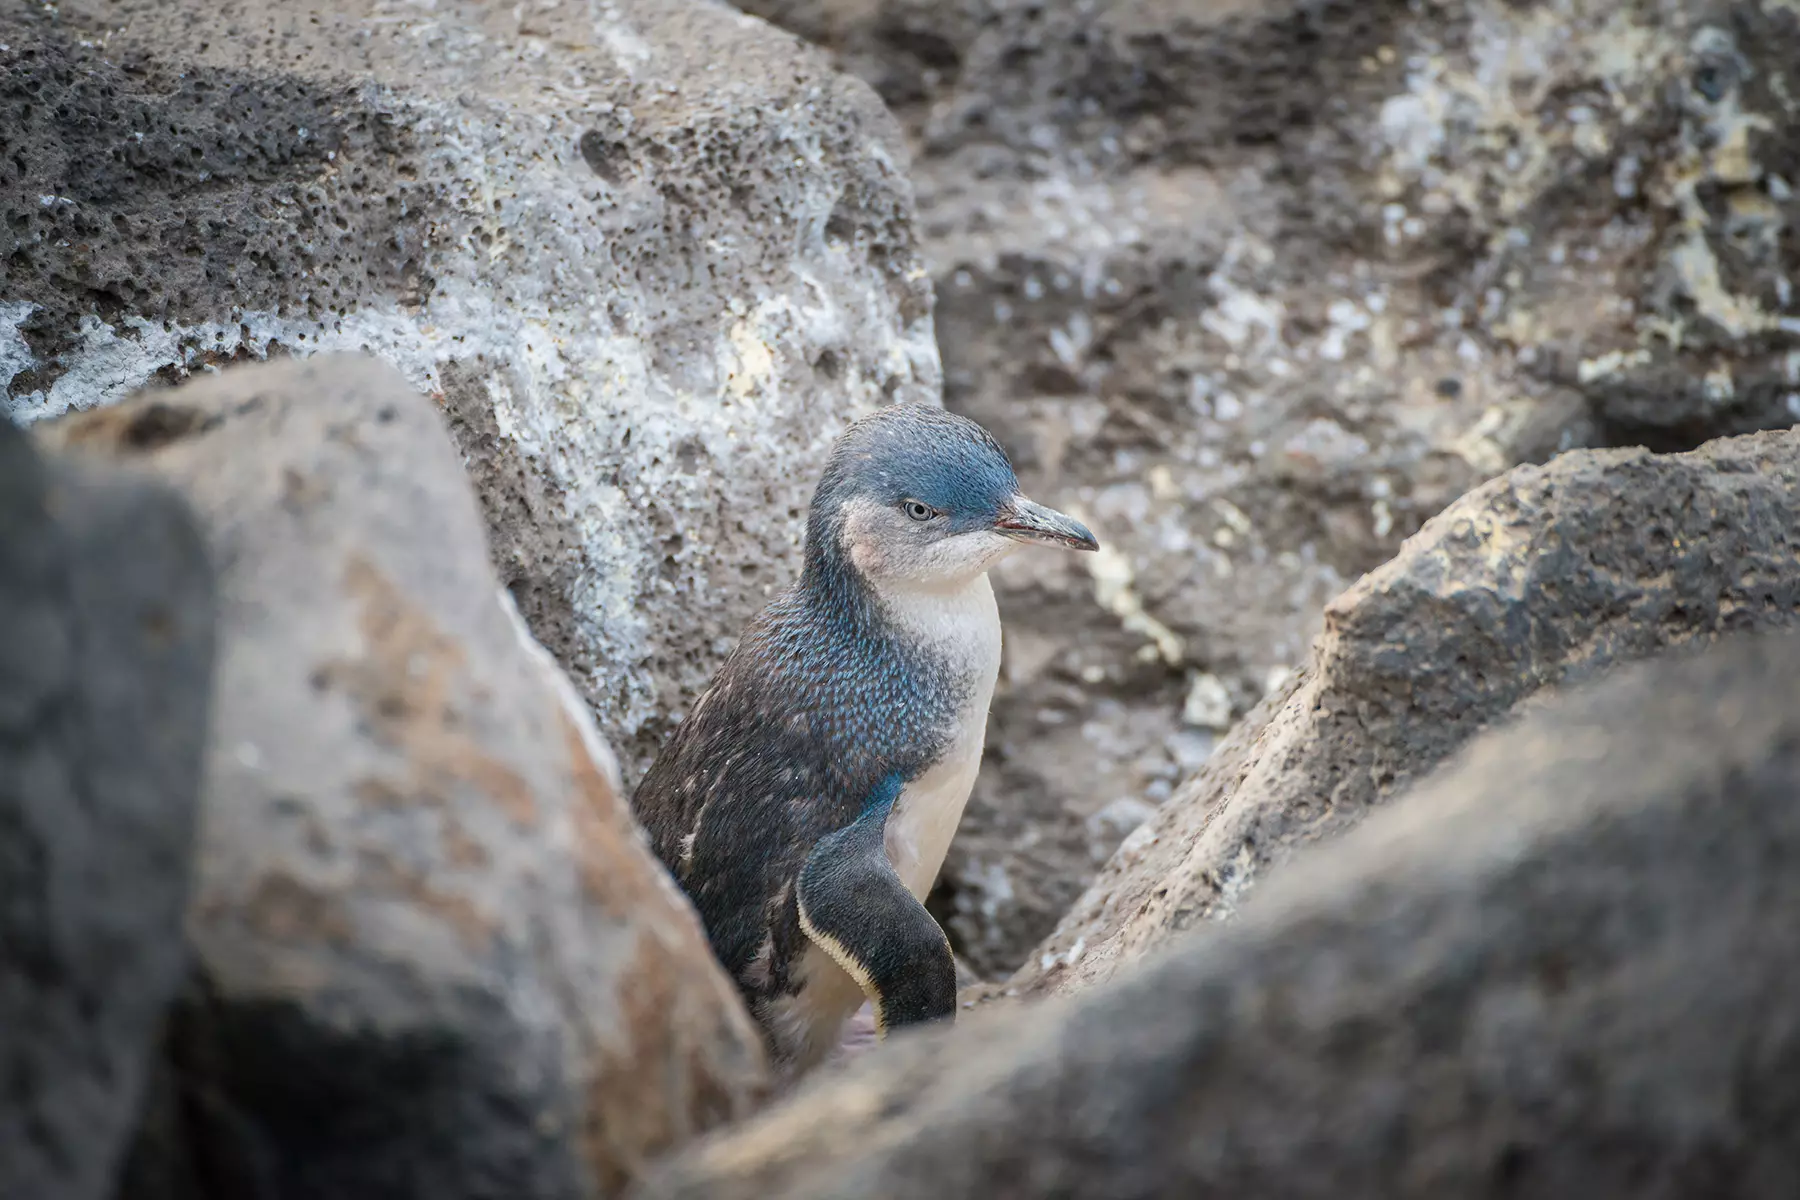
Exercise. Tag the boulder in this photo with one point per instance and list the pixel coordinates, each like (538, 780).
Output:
(1563, 967)
(1544, 576)
(650, 255)
(106, 648)
(1257, 286)
(434, 955)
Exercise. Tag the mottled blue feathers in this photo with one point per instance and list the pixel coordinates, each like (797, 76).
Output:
(881, 800)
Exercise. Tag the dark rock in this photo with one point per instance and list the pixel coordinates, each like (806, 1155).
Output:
(106, 648)
(1543, 576)
(435, 957)
(653, 254)
(1563, 967)
(1257, 286)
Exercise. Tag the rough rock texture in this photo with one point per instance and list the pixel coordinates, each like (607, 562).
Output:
(1565, 967)
(106, 644)
(1545, 575)
(435, 958)
(1259, 285)
(651, 255)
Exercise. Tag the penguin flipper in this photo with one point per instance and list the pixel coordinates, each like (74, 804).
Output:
(854, 907)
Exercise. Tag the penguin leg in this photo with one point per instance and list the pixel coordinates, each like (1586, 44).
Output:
(856, 909)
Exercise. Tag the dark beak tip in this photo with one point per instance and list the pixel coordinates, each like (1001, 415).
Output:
(1049, 527)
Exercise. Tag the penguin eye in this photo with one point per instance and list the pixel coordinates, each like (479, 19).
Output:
(917, 511)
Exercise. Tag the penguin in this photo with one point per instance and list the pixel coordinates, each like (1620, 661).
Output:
(806, 802)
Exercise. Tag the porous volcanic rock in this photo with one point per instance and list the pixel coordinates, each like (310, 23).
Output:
(650, 255)
(435, 958)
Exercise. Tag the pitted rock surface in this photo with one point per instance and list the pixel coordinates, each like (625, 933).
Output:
(1563, 967)
(654, 255)
(1257, 286)
(434, 955)
(1545, 576)
(106, 651)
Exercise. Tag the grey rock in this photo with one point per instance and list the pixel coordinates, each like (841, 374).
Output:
(1544, 576)
(1258, 286)
(106, 647)
(1563, 967)
(435, 957)
(652, 254)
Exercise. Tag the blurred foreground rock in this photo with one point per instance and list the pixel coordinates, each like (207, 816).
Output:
(1546, 575)
(106, 648)
(1562, 967)
(1258, 286)
(435, 958)
(651, 254)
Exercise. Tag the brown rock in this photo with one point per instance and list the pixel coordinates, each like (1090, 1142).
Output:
(434, 956)
(1563, 967)
(1545, 575)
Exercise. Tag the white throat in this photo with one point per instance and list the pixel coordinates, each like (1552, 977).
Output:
(960, 623)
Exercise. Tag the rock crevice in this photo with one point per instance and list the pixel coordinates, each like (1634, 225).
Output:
(1541, 578)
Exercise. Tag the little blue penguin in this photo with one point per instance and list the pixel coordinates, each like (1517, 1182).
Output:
(806, 802)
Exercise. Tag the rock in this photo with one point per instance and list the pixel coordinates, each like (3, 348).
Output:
(435, 958)
(106, 646)
(1563, 967)
(1545, 575)
(1257, 287)
(652, 255)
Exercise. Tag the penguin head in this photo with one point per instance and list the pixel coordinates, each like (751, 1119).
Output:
(913, 496)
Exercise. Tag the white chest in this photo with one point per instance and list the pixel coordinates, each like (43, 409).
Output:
(964, 627)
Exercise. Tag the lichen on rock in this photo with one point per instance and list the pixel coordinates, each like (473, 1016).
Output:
(661, 252)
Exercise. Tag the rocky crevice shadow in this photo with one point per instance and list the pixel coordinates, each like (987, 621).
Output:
(106, 655)
(1258, 286)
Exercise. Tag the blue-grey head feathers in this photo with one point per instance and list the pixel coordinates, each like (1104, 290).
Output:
(914, 452)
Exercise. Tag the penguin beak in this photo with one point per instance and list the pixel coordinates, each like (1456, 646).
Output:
(1028, 521)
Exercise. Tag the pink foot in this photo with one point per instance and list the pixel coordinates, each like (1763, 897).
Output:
(859, 1035)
